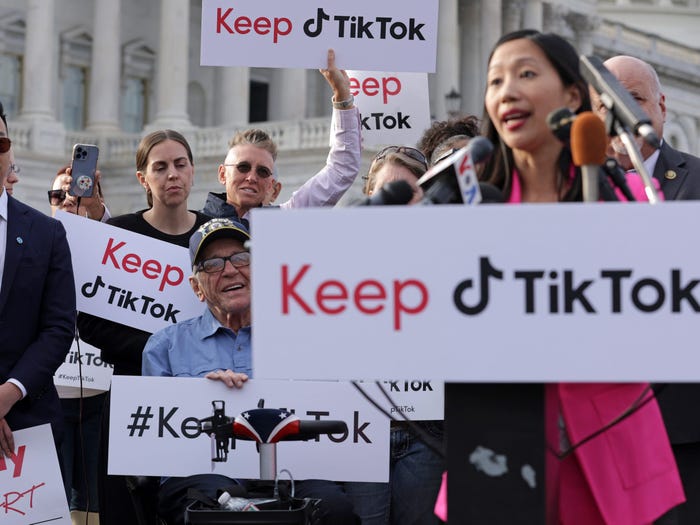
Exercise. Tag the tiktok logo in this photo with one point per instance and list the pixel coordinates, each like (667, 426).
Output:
(487, 271)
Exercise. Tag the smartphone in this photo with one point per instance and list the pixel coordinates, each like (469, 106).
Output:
(83, 167)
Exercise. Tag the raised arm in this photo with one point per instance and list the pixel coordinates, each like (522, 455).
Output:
(343, 162)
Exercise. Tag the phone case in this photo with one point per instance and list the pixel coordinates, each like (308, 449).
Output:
(83, 169)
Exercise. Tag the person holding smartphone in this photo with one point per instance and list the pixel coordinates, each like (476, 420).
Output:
(60, 198)
(82, 408)
(165, 169)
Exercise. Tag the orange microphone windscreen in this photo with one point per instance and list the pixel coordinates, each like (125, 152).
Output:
(588, 140)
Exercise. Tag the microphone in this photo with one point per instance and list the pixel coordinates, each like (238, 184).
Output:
(559, 122)
(453, 180)
(588, 144)
(396, 192)
(617, 99)
(490, 194)
(617, 175)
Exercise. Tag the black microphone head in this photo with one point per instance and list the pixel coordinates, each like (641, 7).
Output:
(490, 194)
(440, 183)
(559, 122)
(480, 149)
(395, 192)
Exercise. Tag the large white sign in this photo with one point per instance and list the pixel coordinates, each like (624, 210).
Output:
(154, 431)
(31, 488)
(391, 35)
(552, 292)
(127, 277)
(395, 107)
(415, 399)
(84, 362)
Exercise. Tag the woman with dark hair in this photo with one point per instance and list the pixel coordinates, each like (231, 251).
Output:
(608, 456)
(531, 74)
(165, 169)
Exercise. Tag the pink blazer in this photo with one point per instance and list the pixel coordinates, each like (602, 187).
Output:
(625, 476)
(629, 469)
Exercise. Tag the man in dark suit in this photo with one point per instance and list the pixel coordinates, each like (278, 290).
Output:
(37, 310)
(679, 176)
(677, 172)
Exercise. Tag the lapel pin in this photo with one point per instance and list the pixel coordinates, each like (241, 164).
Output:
(670, 175)
(20, 240)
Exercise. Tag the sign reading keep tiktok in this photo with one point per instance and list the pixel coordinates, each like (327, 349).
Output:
(391, 35)
(129, 278)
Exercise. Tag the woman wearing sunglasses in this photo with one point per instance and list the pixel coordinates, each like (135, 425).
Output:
(82, 408)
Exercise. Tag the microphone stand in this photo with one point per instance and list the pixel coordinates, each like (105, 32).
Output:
(615, 127)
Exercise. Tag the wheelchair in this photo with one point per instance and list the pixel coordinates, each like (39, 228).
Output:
(266, 427)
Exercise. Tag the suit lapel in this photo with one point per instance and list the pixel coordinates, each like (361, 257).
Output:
(18, 226)
(670, 160)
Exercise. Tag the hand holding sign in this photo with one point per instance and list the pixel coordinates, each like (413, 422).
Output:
(7, 442)
(339, 82)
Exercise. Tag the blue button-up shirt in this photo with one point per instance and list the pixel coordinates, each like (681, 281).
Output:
(197, 346)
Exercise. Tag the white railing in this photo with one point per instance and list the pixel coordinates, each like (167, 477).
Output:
(208, 142)
(661, 4)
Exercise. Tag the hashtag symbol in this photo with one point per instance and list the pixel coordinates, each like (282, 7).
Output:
(139, 421)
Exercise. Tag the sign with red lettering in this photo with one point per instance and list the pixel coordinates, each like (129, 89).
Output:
(127, 277)
(154, 428)
(538, 292)
(391, 35)
(31, 487)
(395, 107)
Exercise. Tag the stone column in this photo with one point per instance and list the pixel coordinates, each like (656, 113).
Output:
(172, 66)
(103, 108)
(288, 94)
(448, 57)
(234, 94)
(39, 76)
(533, 15)
(481, 28)
(46, 134)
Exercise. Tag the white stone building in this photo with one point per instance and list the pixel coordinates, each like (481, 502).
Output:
(103, 71)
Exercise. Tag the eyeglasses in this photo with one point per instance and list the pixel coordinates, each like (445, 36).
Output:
(217, 264)
(405, 150)
(56, 197)
(245, 167)
(444, 155)
(5, 144)
(14, 168)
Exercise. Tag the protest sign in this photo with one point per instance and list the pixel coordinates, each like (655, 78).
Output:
(391, 35)
(394, 107)
(154, 429)
(127, 277)
(31, 487)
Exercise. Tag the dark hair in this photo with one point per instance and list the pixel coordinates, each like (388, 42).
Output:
(565, 60)
(441, 130)
(4, 117)
(149, 142)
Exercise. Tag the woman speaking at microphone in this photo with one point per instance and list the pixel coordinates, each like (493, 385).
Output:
(588, 463)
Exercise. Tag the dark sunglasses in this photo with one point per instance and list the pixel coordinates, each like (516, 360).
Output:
(5, 144)
(56, 197)
(217, 264)
(245, 167)
(404, 150)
